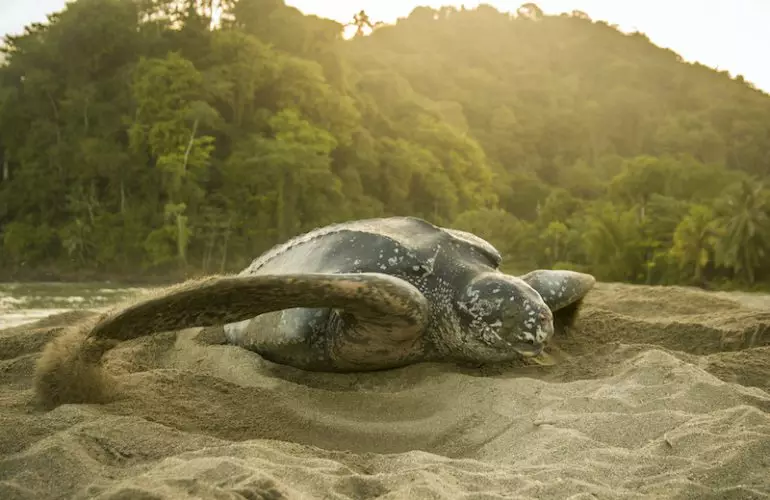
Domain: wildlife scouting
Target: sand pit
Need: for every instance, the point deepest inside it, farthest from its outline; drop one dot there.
(659, 393)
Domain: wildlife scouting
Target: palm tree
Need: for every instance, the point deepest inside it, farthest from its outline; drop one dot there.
(746, 230)
(614, 243)
(362, 21)
(694, 240)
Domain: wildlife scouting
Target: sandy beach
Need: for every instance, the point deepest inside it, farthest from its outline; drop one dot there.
(658, 393)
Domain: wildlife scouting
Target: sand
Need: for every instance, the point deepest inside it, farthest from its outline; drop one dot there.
(658, 393)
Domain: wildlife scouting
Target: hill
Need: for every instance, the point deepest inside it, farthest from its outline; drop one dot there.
(135, 139)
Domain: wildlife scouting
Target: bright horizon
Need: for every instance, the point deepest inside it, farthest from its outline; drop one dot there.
(723, 36)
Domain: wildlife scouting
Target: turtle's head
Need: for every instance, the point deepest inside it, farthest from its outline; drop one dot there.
(501, 316)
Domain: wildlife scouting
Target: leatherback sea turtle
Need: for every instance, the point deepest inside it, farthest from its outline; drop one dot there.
(357, 296)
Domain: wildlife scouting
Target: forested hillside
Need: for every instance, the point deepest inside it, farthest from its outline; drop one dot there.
(135, 140)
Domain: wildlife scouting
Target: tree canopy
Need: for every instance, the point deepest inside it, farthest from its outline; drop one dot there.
(142, 138)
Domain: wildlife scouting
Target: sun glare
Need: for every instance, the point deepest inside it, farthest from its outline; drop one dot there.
(687, 27)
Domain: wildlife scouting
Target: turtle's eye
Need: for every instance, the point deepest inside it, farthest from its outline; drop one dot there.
(543, 317)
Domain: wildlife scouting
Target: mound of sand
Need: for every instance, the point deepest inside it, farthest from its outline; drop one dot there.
(659, 393)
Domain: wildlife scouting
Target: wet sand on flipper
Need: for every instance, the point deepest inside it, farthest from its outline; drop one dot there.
(658, 393)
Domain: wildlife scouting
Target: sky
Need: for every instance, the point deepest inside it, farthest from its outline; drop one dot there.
(732, 36)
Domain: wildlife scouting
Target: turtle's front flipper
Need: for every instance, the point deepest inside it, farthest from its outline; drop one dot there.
(560, 289)
(563, 292)
(68, 370)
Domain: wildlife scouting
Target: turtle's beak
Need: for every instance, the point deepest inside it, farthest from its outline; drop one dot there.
(528, 349)
(544, 359)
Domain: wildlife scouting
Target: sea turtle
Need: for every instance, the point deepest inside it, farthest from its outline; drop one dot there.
(356, 296)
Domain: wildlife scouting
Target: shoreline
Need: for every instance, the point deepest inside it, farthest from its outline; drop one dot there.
(46, 276)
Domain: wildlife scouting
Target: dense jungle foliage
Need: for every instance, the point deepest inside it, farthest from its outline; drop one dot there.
(137, 140)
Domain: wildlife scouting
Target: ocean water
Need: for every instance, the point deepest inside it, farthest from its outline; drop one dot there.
(22, 303)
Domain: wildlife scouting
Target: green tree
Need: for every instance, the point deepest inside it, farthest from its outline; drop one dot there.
(746, 229)
(168, 117)
(694, 241)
